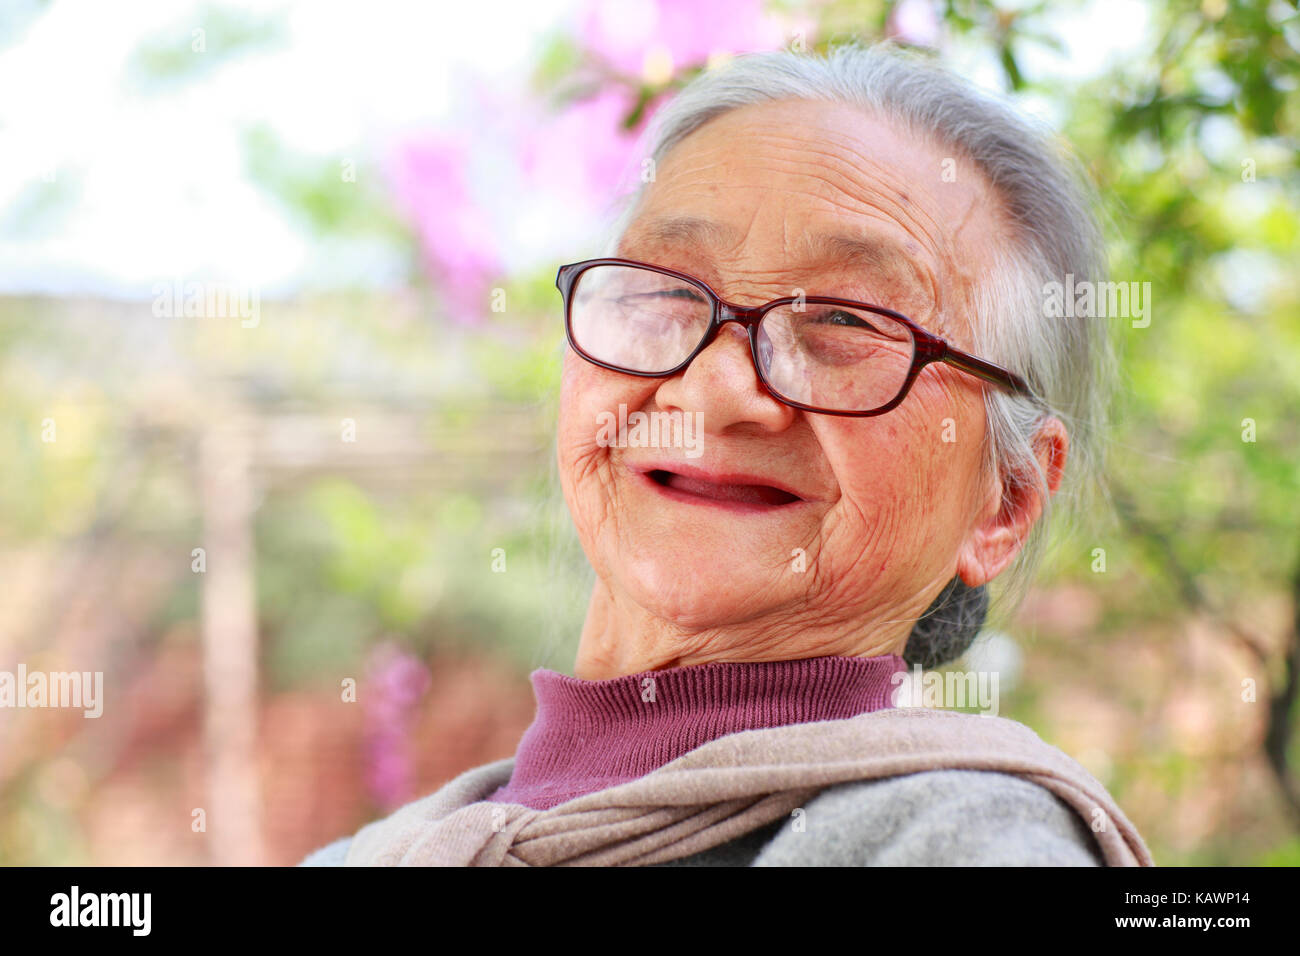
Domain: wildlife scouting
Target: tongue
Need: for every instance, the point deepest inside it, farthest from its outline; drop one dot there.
(747, 494)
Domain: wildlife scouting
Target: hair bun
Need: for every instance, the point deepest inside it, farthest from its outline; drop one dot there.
(949, 626)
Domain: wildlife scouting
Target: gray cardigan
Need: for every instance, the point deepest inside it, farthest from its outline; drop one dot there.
(935, 818)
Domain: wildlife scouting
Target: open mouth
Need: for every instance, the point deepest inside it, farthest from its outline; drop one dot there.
(754, 496)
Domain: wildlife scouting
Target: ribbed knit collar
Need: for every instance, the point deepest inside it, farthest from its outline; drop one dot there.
(591, 735)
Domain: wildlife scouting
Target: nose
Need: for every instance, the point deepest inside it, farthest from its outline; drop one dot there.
(723, 383)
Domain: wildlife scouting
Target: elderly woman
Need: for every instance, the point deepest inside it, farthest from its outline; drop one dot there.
(830, 295)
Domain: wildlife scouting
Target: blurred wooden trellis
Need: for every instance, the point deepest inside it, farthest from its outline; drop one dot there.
(232, 440)
(237, 453)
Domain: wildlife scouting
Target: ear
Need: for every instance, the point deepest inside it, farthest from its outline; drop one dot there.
(1010, 510)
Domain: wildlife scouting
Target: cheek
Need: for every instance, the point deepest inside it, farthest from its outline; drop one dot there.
(878, 467)
(905, 488)
(579, 454)
(586, 392)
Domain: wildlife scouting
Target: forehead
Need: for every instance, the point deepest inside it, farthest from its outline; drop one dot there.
(798, 183)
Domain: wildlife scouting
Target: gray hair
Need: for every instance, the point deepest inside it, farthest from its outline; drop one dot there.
(1069, 363)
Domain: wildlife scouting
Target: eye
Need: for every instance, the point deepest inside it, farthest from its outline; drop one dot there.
(845, 319)
(682, 292)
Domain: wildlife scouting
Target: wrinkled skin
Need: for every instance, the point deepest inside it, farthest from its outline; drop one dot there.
(890, 511)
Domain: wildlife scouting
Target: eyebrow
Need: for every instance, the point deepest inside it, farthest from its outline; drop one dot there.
(878, 254)
(689, 229)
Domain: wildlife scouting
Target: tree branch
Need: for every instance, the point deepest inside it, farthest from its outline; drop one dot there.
(1280, 700)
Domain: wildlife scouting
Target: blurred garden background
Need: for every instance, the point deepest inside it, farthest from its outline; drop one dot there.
(280, 344)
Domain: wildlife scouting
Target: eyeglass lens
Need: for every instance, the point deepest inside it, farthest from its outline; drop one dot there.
(822, 355)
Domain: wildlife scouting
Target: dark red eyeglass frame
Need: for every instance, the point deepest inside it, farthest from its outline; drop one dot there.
(929, 347)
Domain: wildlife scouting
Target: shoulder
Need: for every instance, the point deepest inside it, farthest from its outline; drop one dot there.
(332, 854)
(935, 818)
(472, 786)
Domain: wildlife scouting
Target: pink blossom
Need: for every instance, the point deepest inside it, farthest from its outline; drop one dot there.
(431, 181)
(583, 153)
(626, 32)
(511, 180)
(915, 22)
(473, 194)
(395, 682)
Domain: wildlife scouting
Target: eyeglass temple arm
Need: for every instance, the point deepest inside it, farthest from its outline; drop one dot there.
(987, 371)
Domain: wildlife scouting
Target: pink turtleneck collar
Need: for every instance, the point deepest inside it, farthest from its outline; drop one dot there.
(591, 735)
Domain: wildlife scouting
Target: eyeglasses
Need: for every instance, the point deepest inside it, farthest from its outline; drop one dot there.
(831, 356)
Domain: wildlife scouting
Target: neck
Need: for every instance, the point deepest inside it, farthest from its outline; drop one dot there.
(590, 735)
(621, 638)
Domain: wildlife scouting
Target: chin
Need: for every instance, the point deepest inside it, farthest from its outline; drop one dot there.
(695, 591)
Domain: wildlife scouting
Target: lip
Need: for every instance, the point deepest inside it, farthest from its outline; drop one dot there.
(644, 472)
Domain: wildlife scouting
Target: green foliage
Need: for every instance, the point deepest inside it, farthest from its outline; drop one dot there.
(337, 571)
(1216, 236)
(343, 196)
(186, 52)
(1288, 854)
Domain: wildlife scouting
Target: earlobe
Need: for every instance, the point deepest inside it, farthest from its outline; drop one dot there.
(987, 554)
(996, 540)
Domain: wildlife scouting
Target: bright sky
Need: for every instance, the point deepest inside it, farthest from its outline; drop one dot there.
(141, 186)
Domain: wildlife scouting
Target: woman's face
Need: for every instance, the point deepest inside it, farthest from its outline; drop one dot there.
(690, 544)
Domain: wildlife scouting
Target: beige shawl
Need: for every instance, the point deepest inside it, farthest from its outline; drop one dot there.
(726, 788)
